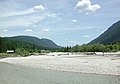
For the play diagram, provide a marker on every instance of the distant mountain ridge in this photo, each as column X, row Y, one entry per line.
column 46, row 43
column 110, row 35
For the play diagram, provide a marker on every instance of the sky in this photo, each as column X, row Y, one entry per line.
column 66, row 22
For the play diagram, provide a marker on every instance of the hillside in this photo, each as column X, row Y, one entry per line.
column 110, row 35
column 46, row 43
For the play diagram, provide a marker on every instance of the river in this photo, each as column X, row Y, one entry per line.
column 15, row 74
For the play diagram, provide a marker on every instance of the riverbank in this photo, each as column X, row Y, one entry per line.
column 72, row 63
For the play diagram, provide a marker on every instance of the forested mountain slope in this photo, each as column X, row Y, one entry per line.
column 110, row 35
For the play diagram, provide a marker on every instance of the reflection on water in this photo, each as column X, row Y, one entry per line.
column 13, row 74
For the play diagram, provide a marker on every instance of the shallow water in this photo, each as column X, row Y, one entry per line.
column 14, row 74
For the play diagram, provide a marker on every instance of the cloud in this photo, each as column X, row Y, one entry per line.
column 28, row 30
column 74, row 20
column 5, row 30
column 45, row 30
column 24, row 18
column 78, row 28
column 85, row 6
column 35, row 9
column 39, row 8
column 52, row 15
column 23, row 21
column 74, row 42
column 17, row 13
column 34, row 25
column 85, row 36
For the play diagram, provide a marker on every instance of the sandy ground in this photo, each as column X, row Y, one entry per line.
column 72, row 62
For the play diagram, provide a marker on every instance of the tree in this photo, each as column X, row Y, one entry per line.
column 75, row 48
column 0, row 44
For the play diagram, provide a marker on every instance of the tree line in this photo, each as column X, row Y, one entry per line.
column 97, row 47
column 25, row 48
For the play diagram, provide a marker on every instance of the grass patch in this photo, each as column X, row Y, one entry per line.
column 3, row 55
column 115, row 59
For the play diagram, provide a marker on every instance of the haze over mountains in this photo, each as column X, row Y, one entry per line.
column 110, row 35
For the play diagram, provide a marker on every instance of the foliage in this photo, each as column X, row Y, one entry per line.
column 45, row 43
column 20, row 47
column 2, row 55
column 23, row 48
column 21, row 52
column 97, row 47
column 110, row 35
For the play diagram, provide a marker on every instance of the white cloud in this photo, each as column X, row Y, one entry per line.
column 24, row 18
column 90, row 27
column 85, row 36
column 34, row 25
column 28, row 30
column 5, row 30
column 78, row 28
column 85, row 6
column 58, row 18
column 53, row 15
column 16, row 13
column 74, row 42
column 61, row 13
column 39, row 8
column 45, row 30
column 23, row 21
column 34, row 9
column 74, row 20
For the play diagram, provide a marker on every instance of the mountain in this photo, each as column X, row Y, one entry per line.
column 110, row 35
column 46, row 43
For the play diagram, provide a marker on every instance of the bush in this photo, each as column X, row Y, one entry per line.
column 21, row 52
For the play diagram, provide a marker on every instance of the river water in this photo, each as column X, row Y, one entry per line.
column 14, row 74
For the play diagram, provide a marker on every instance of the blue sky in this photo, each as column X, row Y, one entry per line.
column 66, row 22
